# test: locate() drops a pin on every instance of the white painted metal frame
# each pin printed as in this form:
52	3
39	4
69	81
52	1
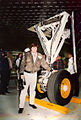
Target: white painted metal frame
74	44
53	46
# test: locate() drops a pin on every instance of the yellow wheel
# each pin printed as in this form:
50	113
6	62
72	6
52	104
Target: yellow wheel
65	88
60	89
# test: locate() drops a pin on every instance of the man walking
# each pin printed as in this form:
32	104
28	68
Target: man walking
28	70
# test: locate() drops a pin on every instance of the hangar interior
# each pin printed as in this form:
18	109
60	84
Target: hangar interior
16	17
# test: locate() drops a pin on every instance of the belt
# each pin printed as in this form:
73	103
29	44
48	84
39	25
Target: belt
29	71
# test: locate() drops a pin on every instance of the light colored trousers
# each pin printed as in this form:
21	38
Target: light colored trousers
18	74
31	80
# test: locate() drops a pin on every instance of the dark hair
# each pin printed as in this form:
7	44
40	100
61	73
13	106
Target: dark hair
18	55
34	45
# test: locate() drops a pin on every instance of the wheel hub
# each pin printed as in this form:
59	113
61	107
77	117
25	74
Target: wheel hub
65	88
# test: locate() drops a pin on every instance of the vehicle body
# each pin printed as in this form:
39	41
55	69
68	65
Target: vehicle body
53	33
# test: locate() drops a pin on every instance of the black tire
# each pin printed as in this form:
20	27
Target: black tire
55	90
39	93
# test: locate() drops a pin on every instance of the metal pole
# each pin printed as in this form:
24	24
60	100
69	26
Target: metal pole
74	46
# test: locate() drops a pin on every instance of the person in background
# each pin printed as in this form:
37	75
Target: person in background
2	75
4	68
7	56
18	63
58	64
70	64
28	70
74	75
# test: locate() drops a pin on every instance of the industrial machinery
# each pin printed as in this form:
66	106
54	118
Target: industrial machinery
54	33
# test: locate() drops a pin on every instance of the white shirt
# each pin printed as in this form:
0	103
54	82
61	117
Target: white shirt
34	57
70	66
18	62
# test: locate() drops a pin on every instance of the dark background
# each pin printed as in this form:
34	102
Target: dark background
16	16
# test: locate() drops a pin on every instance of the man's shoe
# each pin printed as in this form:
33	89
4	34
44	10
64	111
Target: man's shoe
33	106
20	110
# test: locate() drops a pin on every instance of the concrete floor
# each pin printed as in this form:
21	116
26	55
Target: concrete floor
9	109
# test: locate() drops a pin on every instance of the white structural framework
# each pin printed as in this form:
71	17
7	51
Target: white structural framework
52	35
